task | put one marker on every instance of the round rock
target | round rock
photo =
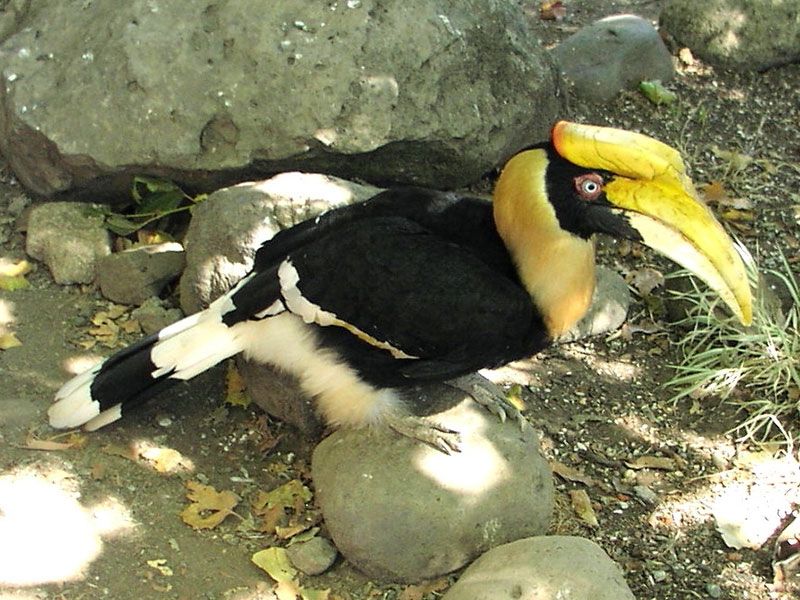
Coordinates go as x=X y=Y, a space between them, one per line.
x=566 y=567
x=401 y=511
x=613 y=54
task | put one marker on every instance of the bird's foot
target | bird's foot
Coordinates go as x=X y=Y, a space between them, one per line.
x=489 y=395
x=439 y=437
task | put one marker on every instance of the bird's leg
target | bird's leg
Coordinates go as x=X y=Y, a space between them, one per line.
x=443 y=439
x=489 y=395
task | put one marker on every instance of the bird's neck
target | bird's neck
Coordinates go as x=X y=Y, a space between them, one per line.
x=555 y=266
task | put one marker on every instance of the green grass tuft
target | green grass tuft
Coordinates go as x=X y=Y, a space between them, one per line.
x=755 y=368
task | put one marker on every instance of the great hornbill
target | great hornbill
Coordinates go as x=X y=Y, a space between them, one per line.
x=415 y=285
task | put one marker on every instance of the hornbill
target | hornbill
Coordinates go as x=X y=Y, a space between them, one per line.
x=415 y=285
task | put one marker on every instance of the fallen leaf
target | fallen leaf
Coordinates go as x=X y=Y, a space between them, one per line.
x=292 y=494
x=208 y=507
x=582 y=506
x=309 y=594
x=570 y=474
x=285 y=533
x=275 y=562
x=737 y=160
x=164 y=460
x=72 y=441
x=737 y=215
x=420 y=590
x=14 y=269
x=662 y=463
x=235 y=393
x=656 y=92
x=714 y=192
x=645 y=280
x=13 y=283
x=552 y=11
x=160 y=565
x=8 y=341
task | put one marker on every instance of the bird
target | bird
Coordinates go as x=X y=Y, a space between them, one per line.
x=416 y=285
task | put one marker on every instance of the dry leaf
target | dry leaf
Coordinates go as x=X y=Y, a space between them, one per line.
x=72 y=441
x=164 y=460
x=582 y=506
x=569 y=474
x=14 y=269
x=275 y=561
x=292 y=494
x=552 y=11
x=235 y=393
x=645 y=280
x=160 y=565
x=209 y=507
x=652 y=462
x=714 y=192
x=292 y=530
x=420 y=590
x=9 y=340
x=737 y=160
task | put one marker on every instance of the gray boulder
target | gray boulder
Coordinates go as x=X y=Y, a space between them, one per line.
x=134 y=275
x=609 y=308
x=401 y=511
x=69 y=238
x=741 y=34
x=563 y=567
x=229 y=226
x=613 y=54
x=430 y=92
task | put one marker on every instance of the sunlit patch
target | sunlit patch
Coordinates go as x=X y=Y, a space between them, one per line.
x=620 y=370
x=75 y=365
x=162 y=459
x=478 y=468
x=47 y=534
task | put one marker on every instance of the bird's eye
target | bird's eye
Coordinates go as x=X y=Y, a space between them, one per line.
x=589 y=186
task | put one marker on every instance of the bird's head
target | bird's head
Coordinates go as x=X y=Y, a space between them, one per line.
x=550 y=200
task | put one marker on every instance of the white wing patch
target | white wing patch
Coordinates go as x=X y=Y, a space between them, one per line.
x=313 y=313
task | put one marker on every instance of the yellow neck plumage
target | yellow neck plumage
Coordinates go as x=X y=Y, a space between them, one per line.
x=555 y=266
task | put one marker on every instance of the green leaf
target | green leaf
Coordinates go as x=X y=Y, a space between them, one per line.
x=276 y=563
x=10 y=283
x=160 y=202
x=151 y=185
x=656 y=92
x=120 y=224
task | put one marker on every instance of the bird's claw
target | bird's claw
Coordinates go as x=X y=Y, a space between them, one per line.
x=441 y=438
x=491 y=396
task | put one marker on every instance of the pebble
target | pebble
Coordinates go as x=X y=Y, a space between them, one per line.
x=713 y=590
x=659 y=575
x=645 y=494
x=312 y=557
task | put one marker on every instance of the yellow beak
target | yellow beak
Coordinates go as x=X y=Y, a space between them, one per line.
x=650 y=187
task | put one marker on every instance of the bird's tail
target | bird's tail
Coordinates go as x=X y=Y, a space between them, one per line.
x=178 y=352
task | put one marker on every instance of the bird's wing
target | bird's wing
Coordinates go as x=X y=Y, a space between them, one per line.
x=406 y=294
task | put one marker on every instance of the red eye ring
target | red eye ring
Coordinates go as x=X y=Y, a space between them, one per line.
x=589 y=186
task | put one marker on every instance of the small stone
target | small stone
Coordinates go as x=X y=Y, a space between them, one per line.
x=164 y=420
x=713 y=590
x=312 y=557
x=69 y=238
x=659 y=575
x=133 y=276
x=645 y=494
x=153 y=315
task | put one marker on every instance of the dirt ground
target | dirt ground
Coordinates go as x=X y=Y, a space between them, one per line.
x=104 y=515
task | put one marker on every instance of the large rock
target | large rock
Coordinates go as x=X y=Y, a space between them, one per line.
x=611 y=55
x=229 y=226
x=399 y=510
x=741 y=34
x=546 y=568
x=69 y=238
x=434 y=92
